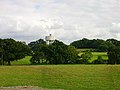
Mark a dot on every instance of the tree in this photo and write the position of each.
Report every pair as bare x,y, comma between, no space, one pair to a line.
114,42
34,45
37,58
72,55
84,59
99,60
86,43
104,46
56,53
13,50
114,55
39,48
97,44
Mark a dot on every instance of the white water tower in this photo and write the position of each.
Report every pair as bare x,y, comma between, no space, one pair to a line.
50,39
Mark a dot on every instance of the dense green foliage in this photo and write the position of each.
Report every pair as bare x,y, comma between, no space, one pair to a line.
68,77
56,53
95,55
98,44
111,46
60,53
85,57
12,50
114,55
35,44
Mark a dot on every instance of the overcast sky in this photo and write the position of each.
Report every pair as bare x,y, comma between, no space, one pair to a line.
67,20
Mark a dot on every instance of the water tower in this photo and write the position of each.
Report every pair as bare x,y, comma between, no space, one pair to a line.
50,39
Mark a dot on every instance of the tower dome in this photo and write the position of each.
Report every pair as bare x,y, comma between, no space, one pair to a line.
50,39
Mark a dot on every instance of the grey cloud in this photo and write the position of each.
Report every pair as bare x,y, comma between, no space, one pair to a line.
68,20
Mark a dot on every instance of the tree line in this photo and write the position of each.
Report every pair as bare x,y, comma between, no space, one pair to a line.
96,44
58,52
111,46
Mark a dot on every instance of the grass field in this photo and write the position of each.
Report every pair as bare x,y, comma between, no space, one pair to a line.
68,77
24,61
96,54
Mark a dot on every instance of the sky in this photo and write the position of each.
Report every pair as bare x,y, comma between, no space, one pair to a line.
67,20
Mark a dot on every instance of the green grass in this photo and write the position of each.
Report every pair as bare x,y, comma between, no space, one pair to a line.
96,54
24,61
68,77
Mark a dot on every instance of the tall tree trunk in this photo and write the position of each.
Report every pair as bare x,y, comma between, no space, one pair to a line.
9,63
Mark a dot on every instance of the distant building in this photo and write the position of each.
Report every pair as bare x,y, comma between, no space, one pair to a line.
50,39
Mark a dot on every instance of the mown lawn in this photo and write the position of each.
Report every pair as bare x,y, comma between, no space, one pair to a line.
68,77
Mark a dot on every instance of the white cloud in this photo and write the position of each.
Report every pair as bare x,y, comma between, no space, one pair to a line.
115,30
68,20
